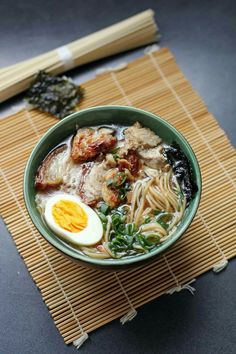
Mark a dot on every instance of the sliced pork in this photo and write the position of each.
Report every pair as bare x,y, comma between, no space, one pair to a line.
88,143
51,171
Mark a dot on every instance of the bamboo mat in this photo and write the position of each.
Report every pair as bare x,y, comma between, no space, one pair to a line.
81,300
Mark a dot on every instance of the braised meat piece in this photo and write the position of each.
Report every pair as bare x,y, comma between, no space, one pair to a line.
51,172
109,194
89,143
153,157
91,187
115,186
130,162
138,137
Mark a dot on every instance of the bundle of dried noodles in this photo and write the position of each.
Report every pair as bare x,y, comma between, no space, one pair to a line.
131,33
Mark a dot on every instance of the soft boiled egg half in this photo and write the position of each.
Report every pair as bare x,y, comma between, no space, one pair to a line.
73,220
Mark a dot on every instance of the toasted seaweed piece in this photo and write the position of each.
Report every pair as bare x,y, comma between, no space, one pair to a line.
57,95
182,170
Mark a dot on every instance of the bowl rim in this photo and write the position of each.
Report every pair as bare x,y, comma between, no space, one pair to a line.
122,261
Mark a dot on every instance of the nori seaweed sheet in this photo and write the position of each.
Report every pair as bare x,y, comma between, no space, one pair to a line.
57,95
182,170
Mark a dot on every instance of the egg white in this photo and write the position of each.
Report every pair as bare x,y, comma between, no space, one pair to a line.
89,236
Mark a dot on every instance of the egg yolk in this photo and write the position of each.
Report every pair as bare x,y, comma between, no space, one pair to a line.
69,215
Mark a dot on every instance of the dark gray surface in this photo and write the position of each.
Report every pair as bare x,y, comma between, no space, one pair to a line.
202,36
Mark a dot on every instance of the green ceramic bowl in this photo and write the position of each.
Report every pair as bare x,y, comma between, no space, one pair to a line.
96,116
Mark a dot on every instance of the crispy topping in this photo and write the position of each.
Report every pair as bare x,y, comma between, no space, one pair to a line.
89,143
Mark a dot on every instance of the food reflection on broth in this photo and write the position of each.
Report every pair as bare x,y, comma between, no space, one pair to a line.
114,191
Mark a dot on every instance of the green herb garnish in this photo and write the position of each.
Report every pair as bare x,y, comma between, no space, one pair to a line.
110,182
114,150
147,219
104,208
163,218
126,239
153,238
115,154
157,212
118,180
163,224
102,217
